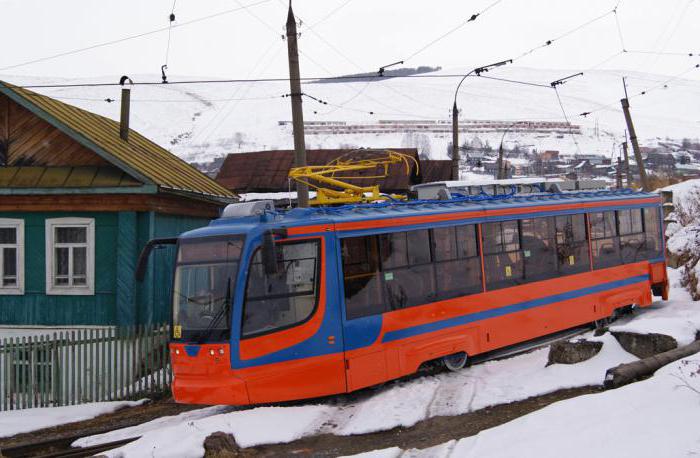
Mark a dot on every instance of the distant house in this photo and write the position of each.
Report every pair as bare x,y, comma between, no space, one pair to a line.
77,203
268,171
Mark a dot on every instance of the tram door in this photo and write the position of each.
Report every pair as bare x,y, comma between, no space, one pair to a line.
365,361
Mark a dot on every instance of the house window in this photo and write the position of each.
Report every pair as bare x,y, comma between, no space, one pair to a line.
70,256
11,256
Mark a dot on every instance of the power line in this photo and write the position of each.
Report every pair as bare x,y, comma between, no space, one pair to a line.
566,34
472,18
662,85
130,37
277,80
566,118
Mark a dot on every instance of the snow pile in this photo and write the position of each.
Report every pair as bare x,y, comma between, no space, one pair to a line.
656,417
23,421
684,233
185,436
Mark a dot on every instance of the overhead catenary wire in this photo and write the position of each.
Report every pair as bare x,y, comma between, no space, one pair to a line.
662,85
566,118
431,43
131,37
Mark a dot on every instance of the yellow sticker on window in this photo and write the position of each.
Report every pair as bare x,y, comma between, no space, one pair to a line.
177,331
572,260
509,271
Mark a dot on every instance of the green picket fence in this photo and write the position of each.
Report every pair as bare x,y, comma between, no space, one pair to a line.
85,365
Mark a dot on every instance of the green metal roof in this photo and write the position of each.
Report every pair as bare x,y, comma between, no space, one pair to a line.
139,157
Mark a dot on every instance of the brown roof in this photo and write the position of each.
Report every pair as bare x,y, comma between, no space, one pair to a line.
140,158
267,171
435,170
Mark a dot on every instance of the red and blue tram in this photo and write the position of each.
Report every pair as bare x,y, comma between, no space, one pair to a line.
284,305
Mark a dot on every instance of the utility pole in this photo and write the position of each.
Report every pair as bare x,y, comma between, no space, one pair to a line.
633,138
455,142
618,173
628,174
297,111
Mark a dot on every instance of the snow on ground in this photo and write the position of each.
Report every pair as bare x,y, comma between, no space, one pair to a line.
401,403
27,420
653,418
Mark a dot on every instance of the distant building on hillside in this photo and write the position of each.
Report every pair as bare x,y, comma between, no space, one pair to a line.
77,204
268,171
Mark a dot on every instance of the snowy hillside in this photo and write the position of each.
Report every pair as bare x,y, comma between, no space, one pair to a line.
202,121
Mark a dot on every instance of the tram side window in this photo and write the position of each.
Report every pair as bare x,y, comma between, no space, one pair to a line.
284,299
572,244
631,235
457,262
407,270
362,277
502,256
538,248
652,231
604,240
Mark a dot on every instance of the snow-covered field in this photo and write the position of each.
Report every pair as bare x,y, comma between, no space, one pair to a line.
407,402
199,122
27,420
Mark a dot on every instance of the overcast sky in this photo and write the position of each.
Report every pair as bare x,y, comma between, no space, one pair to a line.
340,36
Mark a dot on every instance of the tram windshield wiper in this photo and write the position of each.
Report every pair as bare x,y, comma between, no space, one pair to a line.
223,311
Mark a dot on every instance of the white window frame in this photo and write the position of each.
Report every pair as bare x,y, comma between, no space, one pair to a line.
18,225
88,289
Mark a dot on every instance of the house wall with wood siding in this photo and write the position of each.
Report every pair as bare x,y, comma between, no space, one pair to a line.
117,298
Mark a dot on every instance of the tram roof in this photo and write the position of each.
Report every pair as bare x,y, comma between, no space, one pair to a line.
361,212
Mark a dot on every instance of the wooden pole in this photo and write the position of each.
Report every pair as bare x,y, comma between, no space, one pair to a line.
455,142
124,118
297,111
628,174
618,173
635,145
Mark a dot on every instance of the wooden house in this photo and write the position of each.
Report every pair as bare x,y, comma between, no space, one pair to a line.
78,201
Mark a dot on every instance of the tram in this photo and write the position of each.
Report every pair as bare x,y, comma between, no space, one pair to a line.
275,305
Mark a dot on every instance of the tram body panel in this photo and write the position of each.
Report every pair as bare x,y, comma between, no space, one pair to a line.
329,353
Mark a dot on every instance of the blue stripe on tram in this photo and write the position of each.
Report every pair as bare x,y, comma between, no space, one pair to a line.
513,308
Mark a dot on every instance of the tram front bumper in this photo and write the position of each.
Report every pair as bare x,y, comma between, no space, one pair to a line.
202,375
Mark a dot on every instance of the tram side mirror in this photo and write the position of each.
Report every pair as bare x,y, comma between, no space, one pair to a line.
269,251
142,262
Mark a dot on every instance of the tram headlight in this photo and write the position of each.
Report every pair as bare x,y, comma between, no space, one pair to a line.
211,352
221,351
177,351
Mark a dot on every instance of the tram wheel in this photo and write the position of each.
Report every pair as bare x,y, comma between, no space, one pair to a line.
456,361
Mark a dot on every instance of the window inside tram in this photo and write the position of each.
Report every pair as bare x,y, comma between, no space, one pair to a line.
457,262
572,244
503,261
286,298
407,269
605,243
539,253
632,243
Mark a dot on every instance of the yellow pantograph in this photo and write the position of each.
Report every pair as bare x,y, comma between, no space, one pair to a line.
331,184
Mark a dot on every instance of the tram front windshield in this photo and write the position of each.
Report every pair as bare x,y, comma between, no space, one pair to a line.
205,280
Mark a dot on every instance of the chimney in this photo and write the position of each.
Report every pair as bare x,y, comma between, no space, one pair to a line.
124,120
